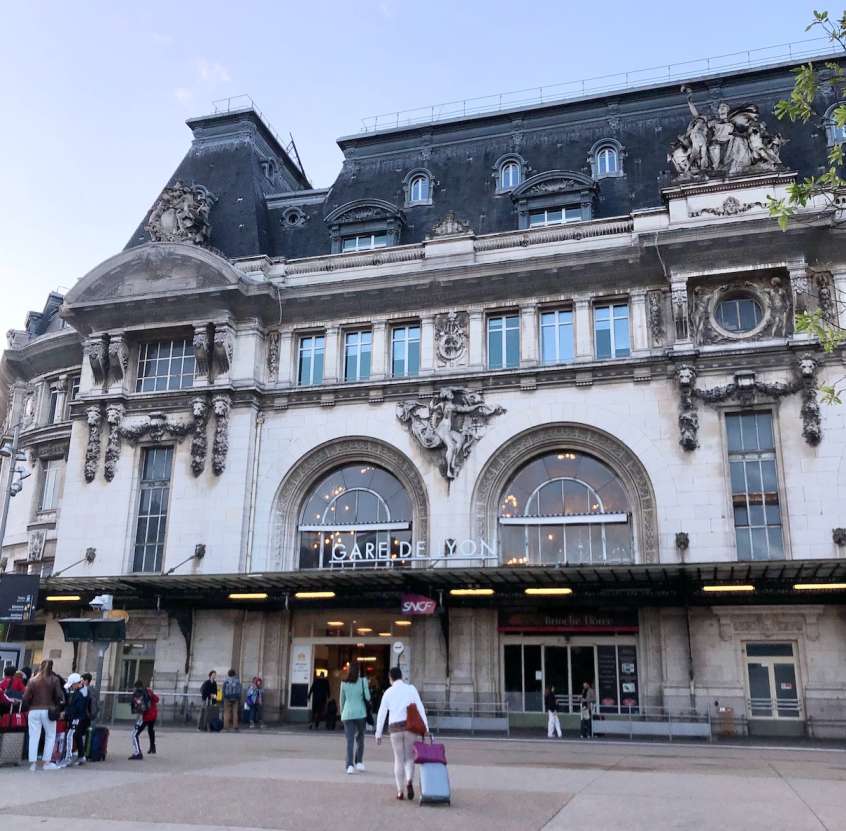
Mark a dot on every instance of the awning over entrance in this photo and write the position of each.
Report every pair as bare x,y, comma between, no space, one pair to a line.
621,585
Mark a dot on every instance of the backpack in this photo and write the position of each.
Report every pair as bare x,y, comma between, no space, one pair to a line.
232,689
140,702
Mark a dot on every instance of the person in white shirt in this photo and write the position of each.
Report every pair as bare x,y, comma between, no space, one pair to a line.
394,707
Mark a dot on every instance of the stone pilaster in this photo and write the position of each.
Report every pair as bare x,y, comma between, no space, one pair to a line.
529,335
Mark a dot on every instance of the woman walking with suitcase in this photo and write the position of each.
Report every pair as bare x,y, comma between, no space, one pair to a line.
355,695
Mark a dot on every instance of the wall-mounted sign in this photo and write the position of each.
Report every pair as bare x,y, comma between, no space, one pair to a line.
18,597
398,647
622,622
380,551
417,604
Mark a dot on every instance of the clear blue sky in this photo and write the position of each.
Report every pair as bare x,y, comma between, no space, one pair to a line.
95,94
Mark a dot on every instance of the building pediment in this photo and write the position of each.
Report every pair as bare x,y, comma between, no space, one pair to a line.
363,210
553,182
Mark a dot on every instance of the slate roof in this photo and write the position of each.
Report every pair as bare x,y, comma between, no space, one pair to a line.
249,217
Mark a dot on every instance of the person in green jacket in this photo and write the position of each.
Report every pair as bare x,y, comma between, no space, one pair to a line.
355,695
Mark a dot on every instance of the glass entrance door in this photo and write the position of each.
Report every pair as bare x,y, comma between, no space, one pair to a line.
772,678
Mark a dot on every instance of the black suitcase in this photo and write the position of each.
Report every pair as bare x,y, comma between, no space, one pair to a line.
208,714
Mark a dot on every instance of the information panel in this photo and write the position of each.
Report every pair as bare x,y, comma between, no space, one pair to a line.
629,696
18,597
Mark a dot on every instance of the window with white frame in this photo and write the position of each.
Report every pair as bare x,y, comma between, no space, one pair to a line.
73,393
504,341
405,351
310,366
554,216
607,161
53,414
154,495
49,497
835,133
419,189
509,175
165,365
364,242
357,347
611,330
754,486
556,332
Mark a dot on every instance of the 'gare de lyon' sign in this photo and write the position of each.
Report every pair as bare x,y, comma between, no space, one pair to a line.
377,551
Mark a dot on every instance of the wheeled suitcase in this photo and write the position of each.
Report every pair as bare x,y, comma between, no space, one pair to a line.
98,744
434,784
11,748
208,714
59,747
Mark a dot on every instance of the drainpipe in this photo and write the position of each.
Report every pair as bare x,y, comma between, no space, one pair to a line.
248,566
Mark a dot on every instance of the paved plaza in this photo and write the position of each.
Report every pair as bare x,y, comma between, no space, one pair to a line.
296,782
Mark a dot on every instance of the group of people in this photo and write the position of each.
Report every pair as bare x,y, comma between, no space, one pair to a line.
587,705
230,694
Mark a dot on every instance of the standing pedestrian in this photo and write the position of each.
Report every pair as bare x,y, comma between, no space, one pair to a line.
231,700
208,690
93,696
77,717
141,703
355,695
318,692
588,701
394,707
43,697
253,702
553,723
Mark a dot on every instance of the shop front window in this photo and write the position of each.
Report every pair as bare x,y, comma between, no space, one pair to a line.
565,507
357,516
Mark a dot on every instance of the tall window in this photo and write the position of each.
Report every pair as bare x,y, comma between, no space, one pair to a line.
358,515
74,387
611,329
49,496
554,216
311,360
165,365
557,336
835,133
607,161
405,351
156,464
52,409
364,242
418,190
357,346
754,486
503,342
509,176
565,507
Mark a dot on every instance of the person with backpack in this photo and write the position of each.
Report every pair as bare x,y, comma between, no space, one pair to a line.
141,702
355,696
231,700
77,717
253,702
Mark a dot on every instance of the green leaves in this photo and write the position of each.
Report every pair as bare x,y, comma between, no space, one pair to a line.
813,323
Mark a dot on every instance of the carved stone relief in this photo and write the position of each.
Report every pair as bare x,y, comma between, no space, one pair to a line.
655,311
97,350
199,441
680,311
181,214
273,355
114,416
768,622
744,390
452,331
201,350
221,405
118,358
450,423
450,226
92,449
35,545
224,347
731,207
826,298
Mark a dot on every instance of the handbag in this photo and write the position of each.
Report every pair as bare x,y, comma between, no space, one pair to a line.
427,752
368,707
414,722
18,721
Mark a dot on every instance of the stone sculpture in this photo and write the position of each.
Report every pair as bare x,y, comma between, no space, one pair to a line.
181,214
92,448
450,423
451,335
220,405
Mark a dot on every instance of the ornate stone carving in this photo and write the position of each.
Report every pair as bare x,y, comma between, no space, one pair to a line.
199,441
181,214
450,423
744,389
273,355
504,461
221,406
157,427
201,350
552,186
769,622
97,351
731,207
118,358
450,226
682,540
92,449
728,142
452,331
114,417
655,311
826,302
35,545
838,536
680,316
224,348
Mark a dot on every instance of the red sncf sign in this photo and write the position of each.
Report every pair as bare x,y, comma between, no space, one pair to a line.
417,604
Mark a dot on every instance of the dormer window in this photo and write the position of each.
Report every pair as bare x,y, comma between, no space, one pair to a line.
554,198
834,133
419,191
554,216
508,172
417,187
363,242
364,225
606,159
509,176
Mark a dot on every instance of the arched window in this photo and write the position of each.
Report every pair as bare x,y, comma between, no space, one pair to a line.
835,134
607,161
565,507
358,515
418,190
509,175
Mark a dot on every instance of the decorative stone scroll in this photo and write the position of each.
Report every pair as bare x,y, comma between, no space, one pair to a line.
181,214
224,348
118,359
199,441
92,449
97,350
114,416
744,389
450,424
452,333
727,142
221,404
201,350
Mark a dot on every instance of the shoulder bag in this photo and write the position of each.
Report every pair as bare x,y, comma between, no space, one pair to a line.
414,721
368,707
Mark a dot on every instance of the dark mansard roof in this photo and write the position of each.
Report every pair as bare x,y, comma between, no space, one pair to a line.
279,214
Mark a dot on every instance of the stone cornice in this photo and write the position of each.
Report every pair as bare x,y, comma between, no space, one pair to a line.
727,184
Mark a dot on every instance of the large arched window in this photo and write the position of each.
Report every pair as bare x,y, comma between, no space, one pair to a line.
358,515
565,507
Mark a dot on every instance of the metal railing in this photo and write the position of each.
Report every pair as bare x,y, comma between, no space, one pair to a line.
475,717
809,49
173,708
